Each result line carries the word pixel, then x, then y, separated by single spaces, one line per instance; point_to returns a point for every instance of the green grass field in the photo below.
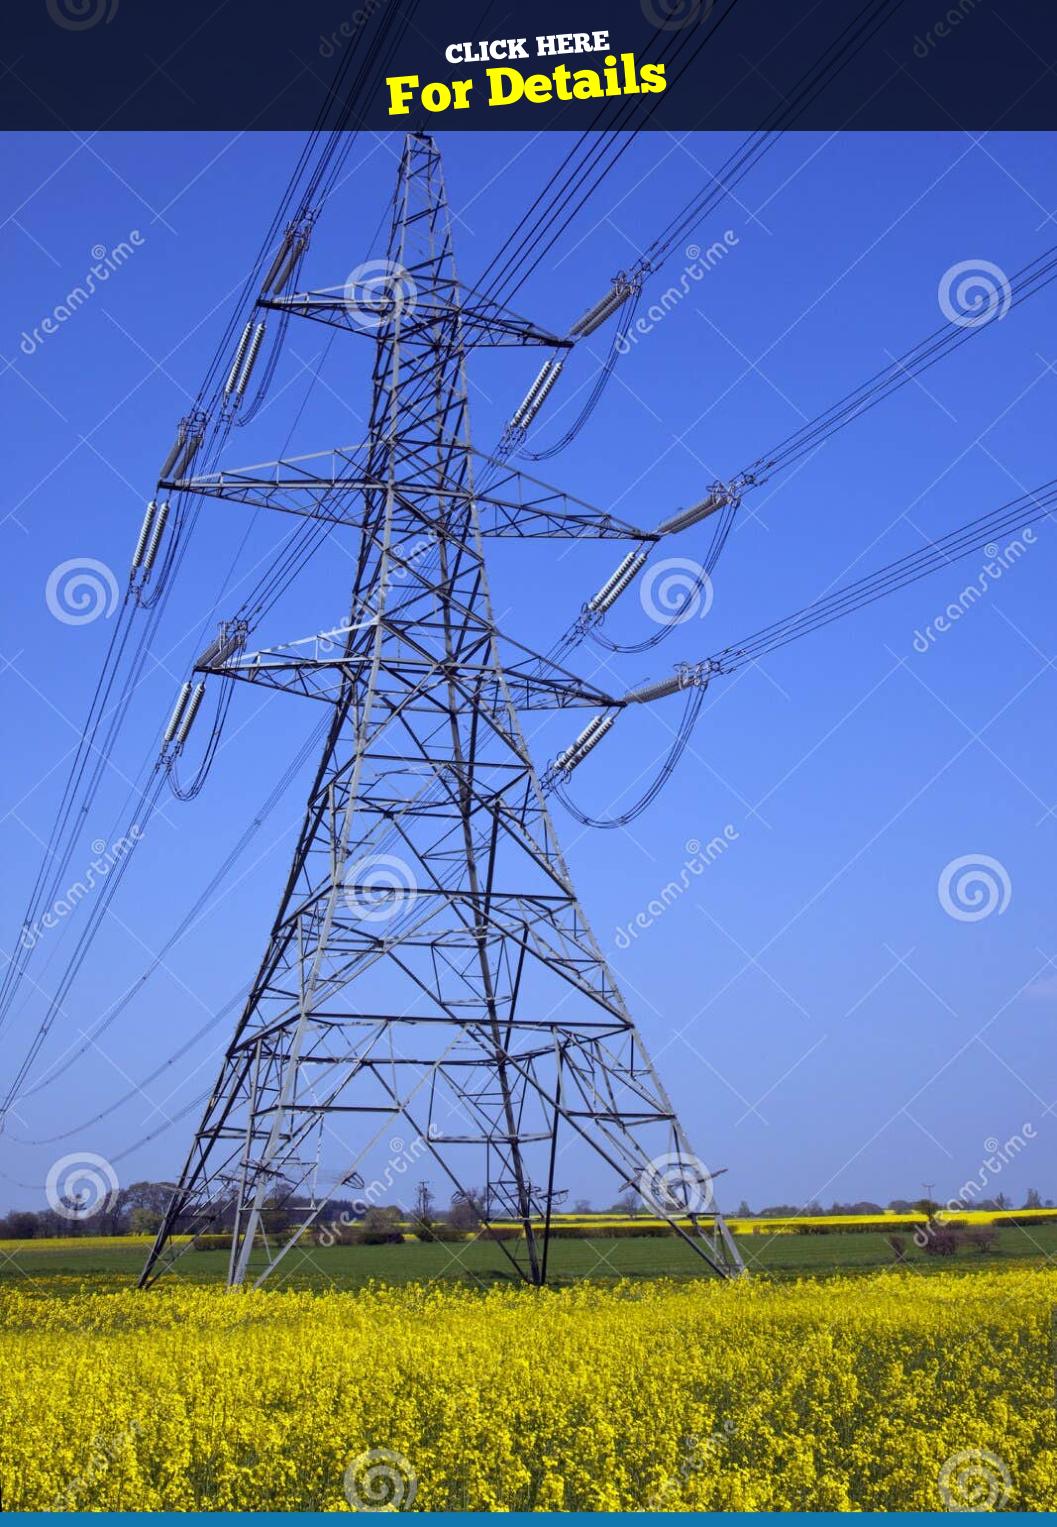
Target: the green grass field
pixel 71 1269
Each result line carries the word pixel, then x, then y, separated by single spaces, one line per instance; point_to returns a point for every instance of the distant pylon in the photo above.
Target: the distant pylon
pixel 429 963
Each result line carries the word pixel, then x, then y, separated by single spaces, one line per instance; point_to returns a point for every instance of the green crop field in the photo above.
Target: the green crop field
pixel 71 1268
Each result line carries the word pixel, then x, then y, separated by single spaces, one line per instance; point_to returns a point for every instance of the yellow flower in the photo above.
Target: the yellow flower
pixel 894 1392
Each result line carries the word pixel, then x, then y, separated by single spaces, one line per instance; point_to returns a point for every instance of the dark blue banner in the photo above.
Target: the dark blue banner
pixel 598 64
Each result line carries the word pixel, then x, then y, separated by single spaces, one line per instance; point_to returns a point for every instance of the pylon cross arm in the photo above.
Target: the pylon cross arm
pixel 338 499
pixel 325 678
pixel 423 307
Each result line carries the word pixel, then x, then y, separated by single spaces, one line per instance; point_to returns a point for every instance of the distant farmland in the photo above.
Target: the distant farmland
pixel 585 1250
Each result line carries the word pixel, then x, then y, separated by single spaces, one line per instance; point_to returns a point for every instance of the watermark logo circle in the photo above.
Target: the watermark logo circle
pixel 80 590
pixel 973 292
pixel 676 15
pixel 677 1183
pixel 377 291
pixel 674 590
pixel 380 1480
pixel 80 1185
pixel 378 887
pixel 79 15
pixel 974 886
pixel 974 1480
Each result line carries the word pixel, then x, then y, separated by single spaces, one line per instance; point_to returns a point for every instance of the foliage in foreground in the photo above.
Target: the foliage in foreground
pixel 893 1392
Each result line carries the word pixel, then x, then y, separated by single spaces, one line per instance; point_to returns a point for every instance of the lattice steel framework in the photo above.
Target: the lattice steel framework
pixel 430 962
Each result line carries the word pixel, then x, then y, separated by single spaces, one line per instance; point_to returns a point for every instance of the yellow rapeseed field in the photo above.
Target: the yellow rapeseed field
pixel 898 1391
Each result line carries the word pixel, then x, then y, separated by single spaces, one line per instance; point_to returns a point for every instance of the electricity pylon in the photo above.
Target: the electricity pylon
pixel 430 962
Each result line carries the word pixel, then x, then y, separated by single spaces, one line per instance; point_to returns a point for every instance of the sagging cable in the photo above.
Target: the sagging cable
pixel 695 696
pixel 189 791
pixel 618 348
pixel 691 595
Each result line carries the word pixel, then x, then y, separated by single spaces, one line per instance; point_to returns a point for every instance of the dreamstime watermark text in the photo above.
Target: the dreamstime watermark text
pixel 373 1194
pixel 943 26
pixel 107 859
pixel 105 263
pixel 1000 1154
pixel 699 263
pixel 349 28
pixel 999 561
pixel 701 855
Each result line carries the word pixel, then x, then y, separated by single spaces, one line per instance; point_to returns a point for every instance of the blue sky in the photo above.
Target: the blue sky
pixel 826 1028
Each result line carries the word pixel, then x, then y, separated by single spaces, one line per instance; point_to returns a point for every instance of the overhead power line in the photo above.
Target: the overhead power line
pixel 694 678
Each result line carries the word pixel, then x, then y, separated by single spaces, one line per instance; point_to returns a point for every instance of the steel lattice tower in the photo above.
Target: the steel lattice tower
pixel 429 960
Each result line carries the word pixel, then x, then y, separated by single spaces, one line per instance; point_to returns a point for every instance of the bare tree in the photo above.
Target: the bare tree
pixel 468 1208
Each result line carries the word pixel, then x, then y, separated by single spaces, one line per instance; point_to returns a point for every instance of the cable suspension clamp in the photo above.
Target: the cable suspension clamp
pixel 155 518
pixel 177 713
pixel 154 538
pixel 188 718
pixel 240 356
pixel 615 584
pixel 618 294
pixel 686 676
pixel 229 641
pixel 531 403
pixel 718 497
pixel 579 748
pixel 185 447
pixel 144 532
pixel 294 243
pixel 188 704
pixel 251 353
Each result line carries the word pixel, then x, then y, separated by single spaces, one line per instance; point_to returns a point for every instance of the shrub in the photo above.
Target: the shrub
pixel 376 1236
pixel 941 1241
pixel 982 1238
